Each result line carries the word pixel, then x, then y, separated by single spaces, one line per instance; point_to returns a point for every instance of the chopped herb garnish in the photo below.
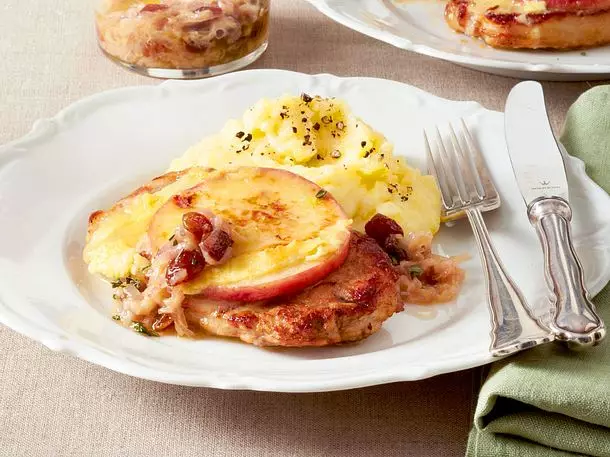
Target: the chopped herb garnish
pixel 306 98
pixel 116 317
pixel 394 259
pixel 117 283
pixel 415 271
pixel 583 53
pixel 138 327
pixel 115 297
pixel 239 134
pixel 171 238
pixel 321 193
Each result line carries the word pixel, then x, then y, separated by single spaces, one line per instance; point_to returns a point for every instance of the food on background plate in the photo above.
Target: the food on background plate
pixel 244 237
pixel 182 34
pixel 558 24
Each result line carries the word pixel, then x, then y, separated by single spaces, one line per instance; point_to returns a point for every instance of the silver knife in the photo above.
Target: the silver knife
pixel 539 169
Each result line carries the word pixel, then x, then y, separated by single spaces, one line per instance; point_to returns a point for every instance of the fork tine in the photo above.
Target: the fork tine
pixel 468 175
pixel 437 171
pixel 464 180
pixel 447 168
pixel 476 160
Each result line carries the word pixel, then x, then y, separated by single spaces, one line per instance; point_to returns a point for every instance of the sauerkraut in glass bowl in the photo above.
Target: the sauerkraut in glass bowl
pixel 183 38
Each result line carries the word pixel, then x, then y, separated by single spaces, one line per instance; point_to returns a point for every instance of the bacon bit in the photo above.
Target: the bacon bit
pixel 153 8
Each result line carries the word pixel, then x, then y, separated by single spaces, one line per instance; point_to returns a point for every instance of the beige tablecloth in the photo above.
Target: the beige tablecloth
pixel 55 405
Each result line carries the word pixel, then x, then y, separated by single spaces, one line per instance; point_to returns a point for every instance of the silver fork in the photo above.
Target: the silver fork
pixel 466 187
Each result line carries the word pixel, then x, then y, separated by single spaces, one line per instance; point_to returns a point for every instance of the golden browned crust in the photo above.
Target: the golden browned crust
pixel 556 29
pixel 150 187
pixel 349 305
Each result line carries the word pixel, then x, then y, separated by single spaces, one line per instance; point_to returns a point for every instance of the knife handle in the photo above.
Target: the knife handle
pixel 512 326
pixel 575 319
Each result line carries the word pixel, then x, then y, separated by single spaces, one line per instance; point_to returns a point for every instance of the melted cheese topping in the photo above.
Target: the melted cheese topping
pixel 509 6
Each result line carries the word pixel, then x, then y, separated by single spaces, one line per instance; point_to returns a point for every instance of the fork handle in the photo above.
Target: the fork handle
pixel 513 328
pixel 575 319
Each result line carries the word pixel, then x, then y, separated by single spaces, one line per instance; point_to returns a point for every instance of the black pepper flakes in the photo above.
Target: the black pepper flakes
pixel 319 157
pixel 304 119
pixel 283 115
pixel 239 134
pixel 363 143
pixel 327 120
pixel 294 130
pixel 316 126
pixel 321 193
pixel 248 137
pixel 306 98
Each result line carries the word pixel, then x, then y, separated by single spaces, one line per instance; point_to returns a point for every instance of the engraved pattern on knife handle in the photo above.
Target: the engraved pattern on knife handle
pixel 575 319
pixel 513 328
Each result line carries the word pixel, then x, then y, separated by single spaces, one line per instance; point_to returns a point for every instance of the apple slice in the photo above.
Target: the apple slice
pixel 113 235
pixel 288 233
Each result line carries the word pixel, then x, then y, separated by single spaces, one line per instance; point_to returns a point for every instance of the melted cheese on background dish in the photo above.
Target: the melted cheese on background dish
pixel 316 138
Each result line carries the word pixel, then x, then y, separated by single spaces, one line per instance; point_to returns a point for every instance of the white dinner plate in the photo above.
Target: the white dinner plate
pixel 419 26
pixel 102 147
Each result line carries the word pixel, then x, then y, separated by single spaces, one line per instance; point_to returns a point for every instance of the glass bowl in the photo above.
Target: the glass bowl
pixel 182 39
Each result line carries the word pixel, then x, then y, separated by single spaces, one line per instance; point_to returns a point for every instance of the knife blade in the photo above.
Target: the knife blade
pixel 540 173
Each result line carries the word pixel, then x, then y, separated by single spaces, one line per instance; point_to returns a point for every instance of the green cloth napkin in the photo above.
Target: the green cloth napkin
pixel 550 401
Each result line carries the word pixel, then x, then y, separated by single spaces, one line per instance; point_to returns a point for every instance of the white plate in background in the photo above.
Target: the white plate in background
pixel 419 26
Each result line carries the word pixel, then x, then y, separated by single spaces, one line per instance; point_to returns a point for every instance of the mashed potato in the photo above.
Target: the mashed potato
pixel 323 141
